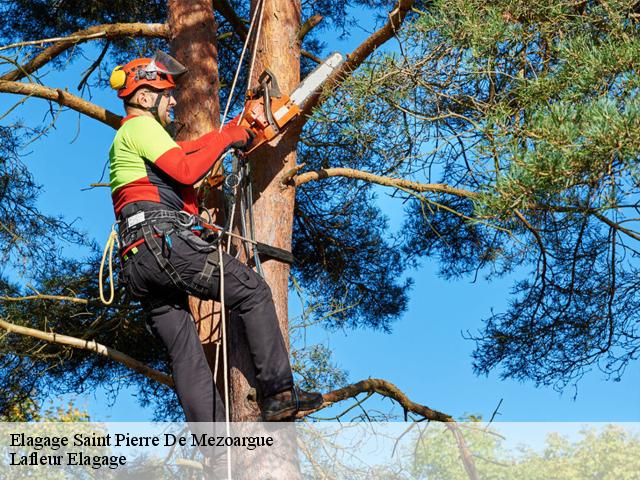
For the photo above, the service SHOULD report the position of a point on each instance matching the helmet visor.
(165, 63)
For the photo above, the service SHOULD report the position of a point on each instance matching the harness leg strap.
(203, 280)
(154, 246)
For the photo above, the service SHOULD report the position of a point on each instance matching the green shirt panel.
(138, 139)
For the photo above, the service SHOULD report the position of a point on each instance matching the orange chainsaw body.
(255, 118)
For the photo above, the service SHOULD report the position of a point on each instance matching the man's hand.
(247, 146)
(243, 135)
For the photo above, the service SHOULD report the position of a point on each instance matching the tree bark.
(193, 43)
(279, 51)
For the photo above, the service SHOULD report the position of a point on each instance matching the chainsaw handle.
(266, 94)
(269, 77)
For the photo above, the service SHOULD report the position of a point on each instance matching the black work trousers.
(245, 292)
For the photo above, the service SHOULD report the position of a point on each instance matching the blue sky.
(425, 355)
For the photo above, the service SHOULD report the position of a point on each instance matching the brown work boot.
(285, 405)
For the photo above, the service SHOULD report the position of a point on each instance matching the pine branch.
(360, 54)
(92, 346)
(61, 44)
(63, 98)
(291, 178)
(296, 180)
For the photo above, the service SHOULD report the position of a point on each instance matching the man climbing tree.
(508, 130)
(164, 259)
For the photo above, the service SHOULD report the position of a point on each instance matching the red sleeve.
(191, 146)
(188, 167)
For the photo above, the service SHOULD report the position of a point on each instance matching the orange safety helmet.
(157, 72)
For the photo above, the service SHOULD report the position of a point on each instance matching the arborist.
(164, 258)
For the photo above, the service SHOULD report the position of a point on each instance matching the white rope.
(260, 5)
(225, 365)
(220, 257)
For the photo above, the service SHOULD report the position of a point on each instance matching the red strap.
(133, 245)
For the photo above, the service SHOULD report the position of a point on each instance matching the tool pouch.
(197, 243)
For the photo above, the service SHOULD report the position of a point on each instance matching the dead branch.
(361, 53)
(465, 453)
(108, 31)
(42, 41)
(94, 65)
(92, 346)
(388, 389)
(297, 180)
(224, 8)
(63, 98)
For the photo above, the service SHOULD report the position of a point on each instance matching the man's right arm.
(155, 145)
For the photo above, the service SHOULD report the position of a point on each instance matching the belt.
(130, 228)
(131, 231)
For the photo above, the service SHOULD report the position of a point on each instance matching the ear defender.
(118, 78)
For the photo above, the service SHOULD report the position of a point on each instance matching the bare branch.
(94, 65)
(616, 226)
(60, 298)
(63, 98)
(108, 31)
(386, 389)
(360, 54)
(311, 56)
(465, 453)
(297, 180)
(309, 25)
(389, 390)
(92, 346)
(42, 41)
(224, 8)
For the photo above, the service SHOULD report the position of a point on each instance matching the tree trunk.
(279, 51)
(193, 43)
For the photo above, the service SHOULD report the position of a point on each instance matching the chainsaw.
(268, 111)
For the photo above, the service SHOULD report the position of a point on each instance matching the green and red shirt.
(146, 164)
